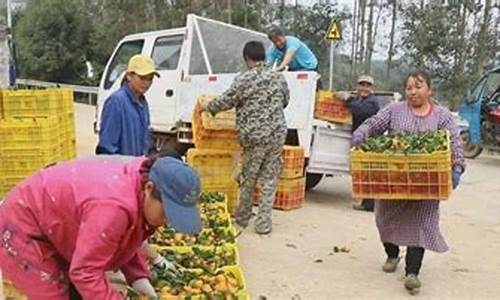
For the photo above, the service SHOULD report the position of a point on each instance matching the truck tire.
(312, 180)
(164, 142)
(471, 151)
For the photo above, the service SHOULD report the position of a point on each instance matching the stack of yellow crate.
(216, 152)
(36, 129)
(213, 251)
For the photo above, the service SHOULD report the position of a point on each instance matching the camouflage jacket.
(259, 95)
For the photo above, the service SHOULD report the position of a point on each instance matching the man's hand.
(143, 287)
(342, 95)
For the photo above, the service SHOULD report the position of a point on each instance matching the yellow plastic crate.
(68, 150)
(293, 162)
(29, 132)
(231, 190)
(229, 249)
(401, 177)
(215, 167)
(34, 103)
(238, 274)
(209, 138)
(225, 120)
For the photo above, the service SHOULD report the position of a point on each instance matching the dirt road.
(297, 260)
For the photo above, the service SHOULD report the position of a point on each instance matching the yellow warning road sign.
(334, 32)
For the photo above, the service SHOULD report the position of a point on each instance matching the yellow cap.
(141, 65)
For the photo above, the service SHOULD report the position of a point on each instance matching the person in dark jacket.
(363, 106)
(125, 117)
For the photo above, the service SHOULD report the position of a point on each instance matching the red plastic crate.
(291, 194)
(293, 162)
(331, 109)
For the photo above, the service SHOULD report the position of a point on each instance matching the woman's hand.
(143, 286)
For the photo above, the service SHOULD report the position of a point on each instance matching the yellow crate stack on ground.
(36, 129)
(216, 169)
(203, 254)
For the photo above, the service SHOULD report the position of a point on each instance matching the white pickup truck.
(203, 58)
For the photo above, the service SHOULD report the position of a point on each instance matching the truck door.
(164, 92)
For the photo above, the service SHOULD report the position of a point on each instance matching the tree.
(369, 39)
(52, 40)
(390, 53)
(482, 39)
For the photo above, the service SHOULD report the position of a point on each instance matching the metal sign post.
(332, 53)
(333, 34)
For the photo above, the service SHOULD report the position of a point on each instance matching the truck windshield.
(224, 56)
(120, 60)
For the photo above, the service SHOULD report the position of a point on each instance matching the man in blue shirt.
(289, 52)
(125, 116)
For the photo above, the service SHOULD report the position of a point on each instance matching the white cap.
(366, 78)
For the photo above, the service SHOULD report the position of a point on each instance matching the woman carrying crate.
(68, 224)
(414, 224)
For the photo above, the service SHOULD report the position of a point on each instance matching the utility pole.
(9, 15)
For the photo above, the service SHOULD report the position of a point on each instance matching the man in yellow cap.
(125, 119)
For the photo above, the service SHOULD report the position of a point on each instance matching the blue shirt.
(124, 125)
(303, 57)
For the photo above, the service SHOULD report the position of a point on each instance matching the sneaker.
(361, 207)
(412, 284)
(263, 226)
(391, 264)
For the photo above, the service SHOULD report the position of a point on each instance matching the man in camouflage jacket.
(259, 96)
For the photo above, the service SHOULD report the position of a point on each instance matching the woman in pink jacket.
(70, 223)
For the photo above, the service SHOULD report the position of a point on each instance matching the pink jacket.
(91, 212)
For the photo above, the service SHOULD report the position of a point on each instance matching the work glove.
(162, 264)
(344, 96)
(143, 287)
(456, 175)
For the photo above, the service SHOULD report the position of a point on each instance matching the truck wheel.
(312, 180)
(470, 150)
(168, 142)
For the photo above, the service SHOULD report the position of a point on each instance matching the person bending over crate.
(259, 95)
(65, 226)
(414, 224)
(363, 106)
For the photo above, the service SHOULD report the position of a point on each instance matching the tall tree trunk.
(245, 13)
(460, 61)
(482, 40)
(354, 43)
(369, 39)
(282, 13)
(361, 32)
(391, 43)
(229, 12)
